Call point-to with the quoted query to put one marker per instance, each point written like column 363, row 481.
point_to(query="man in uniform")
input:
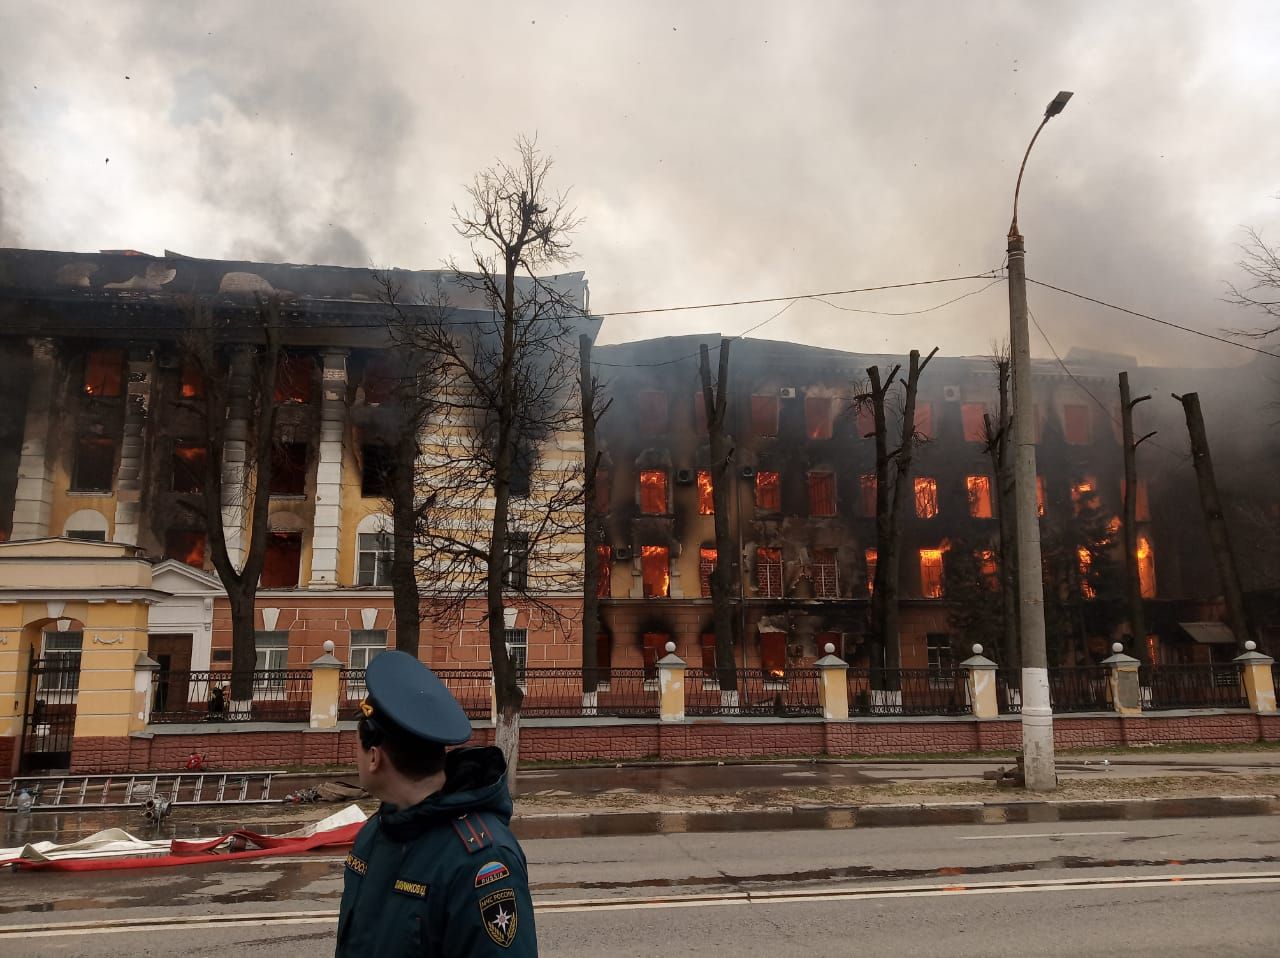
column 436, row 871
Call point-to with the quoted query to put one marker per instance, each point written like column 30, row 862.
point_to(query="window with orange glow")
column 926, row 497
column 1084, row 563
column 773, row 654
column 104, row 373
column 706, row 566
column 924, row 420
column 872, row 557
column 653, row 412
column 979, row 490
column 768, row 492
column 706, row 494
column 867, row 495
column 185, row 545
column 1040, row 496
column 971, row 416
column 293, row 379
column 818, row 417
column 655, row 568
column 653, row 492
column 931, row 573
column 764, row 415
column 1143, row 505
column 189, row 463
column 192, row 383
column 604, row 580
column 282, row 560
column 826, row 574
column 1146, row 568
column 769, row 573
column 822, row 493
column 1075, row 425
column 1084, row 494
column 988, row 569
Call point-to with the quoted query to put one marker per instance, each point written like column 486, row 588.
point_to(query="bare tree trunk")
column 1133, row 582
column 715, row 403
column 884, row 547
column 405, row 597
column 1219, row 541
column 1002, row 471
column 591, row 522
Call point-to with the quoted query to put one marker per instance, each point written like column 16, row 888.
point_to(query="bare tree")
column 236, row 357
column 590, row 393
column 997, row 434
column 1261, row 263
column 893, row 492
column 715, row 401
column 508, row 521
column 1133, row 582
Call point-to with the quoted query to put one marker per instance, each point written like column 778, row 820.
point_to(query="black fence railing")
column 907, row 692
column 558, row 693
column 1084, row 688
column 786, row 694
column 473, row 688
column 1193, row 687
column 1009, row 691
column 279, row 695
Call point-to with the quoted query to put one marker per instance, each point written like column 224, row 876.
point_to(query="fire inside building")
column 105, row 433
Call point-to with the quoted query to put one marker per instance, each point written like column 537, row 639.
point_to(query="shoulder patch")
column 472, row 833
column 490, row 873
column 501, row 916
column 357, row 865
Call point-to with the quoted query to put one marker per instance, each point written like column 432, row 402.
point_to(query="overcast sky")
column 718, row 151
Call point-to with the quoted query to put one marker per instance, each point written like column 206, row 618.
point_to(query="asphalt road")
column 1165, row 887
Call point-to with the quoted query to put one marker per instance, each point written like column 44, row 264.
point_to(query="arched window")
column 87, row 524
column 373, row 550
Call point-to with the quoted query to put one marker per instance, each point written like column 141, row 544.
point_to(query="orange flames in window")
column 706, row 499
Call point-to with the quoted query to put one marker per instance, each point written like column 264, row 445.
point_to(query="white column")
column 34, row 493
column 132, row 449
column 328, row 512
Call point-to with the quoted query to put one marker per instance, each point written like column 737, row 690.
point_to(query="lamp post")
column 1037, row 714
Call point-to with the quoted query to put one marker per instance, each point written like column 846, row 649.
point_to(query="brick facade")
column 228, row 748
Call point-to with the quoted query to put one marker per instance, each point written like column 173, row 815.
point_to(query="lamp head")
column 1057, row 104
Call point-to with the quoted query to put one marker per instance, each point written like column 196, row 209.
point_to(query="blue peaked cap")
column 406, row 693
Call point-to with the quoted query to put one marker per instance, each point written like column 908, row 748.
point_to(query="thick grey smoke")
column 719, row 151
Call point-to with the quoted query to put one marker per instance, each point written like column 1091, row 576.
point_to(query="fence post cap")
column 1117, row 647
column 1252, row 657
column 830, row 660
column 1119, row 658
column 146, row 662
column 978, row 660
column 671, row 660
column 328, row 660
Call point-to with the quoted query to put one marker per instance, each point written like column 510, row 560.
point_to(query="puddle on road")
column 884, row 816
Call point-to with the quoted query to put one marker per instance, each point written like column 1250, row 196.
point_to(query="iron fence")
column 1009, row 691
column 1193, row 686
column 907, row 692
column 558, row 693
column 1080, row 689
column 788, row 694
column 473, row 688
column 278, row 695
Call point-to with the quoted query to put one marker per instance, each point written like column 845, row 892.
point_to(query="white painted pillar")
column 328, row 513
column 34, row 493
column 141, row 368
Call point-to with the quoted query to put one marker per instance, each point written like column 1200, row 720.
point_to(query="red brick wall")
column 8, row 755
column 289, row 746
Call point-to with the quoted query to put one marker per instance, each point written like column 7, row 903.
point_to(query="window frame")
column 382, row 558
column 820, row 497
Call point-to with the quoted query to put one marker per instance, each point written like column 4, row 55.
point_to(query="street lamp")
column 1037, row 714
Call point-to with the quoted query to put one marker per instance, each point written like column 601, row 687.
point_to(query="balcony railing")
column 784, row 694
column 279, row 695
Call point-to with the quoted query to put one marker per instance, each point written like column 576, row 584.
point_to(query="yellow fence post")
column 1255, row 668
column 833, row 684
column 980, row 683
column 325, row 673
column 1125, row 697
column 671, row 685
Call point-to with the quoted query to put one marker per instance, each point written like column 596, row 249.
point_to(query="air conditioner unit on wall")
column 684, row 476
column 951, row 393
column 748, row 472
column 787, row 392
column 622, row 552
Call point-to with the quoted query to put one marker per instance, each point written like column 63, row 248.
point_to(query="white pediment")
column 181, row 579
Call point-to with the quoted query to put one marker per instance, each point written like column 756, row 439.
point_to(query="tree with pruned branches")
column 508, row 486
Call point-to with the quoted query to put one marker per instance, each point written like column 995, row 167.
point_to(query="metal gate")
column 50, row 723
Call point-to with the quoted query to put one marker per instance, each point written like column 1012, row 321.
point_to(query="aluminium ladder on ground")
column 114, row 791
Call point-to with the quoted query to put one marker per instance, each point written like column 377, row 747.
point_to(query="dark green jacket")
column 443, row 878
